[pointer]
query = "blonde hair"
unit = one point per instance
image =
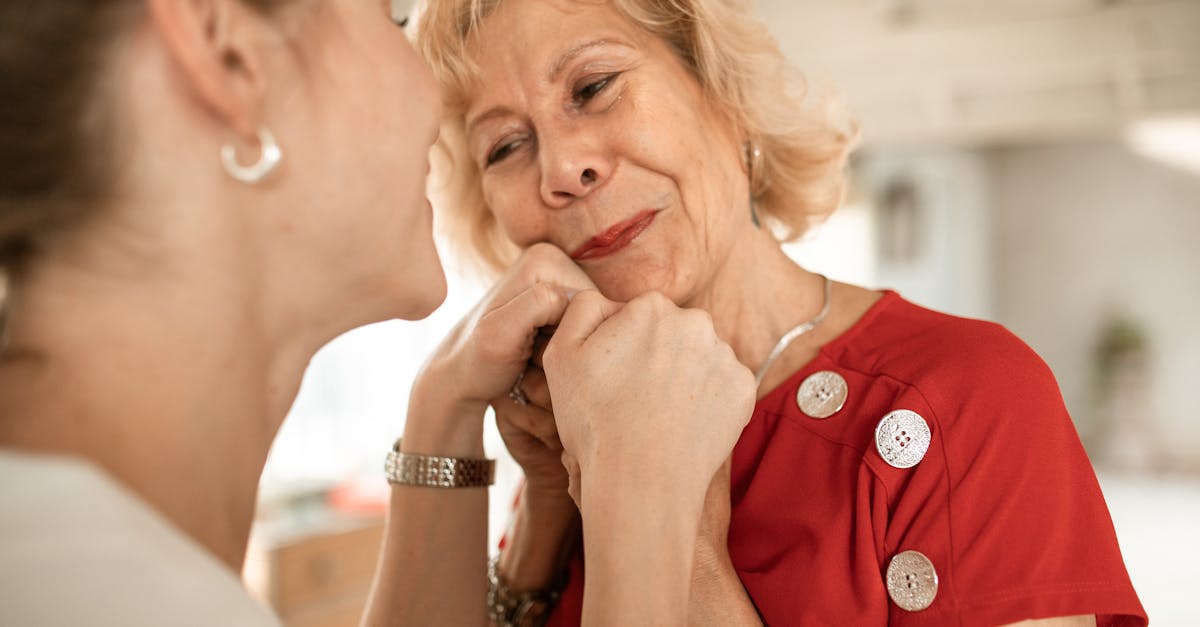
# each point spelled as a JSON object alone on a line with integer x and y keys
{"x": 803, "y": 138}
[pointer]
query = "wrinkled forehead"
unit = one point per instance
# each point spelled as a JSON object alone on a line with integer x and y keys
{"x": 528, "y": 43}
{"x": 521, "y": 25}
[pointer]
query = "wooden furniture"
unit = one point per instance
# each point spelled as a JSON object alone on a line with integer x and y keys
{"x": 315, "y": 573}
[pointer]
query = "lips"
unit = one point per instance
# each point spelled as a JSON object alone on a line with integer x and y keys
{"x": 615, "y": 237}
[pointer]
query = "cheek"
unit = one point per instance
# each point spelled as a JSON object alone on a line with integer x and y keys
{"x": 679, "y": 139}
{"x": 710, "y": 181}
{"x": 514, "y": 202}
{"x": 704, "y": 170}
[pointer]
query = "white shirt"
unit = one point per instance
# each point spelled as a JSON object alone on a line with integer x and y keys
{"x": 76, "y": 549}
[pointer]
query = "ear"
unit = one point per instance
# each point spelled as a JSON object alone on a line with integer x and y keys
{"x": 214, "y": 45}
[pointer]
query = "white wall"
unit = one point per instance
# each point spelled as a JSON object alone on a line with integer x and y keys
{"x": 950, "y": 270}
{"x": 1083, "y": 228}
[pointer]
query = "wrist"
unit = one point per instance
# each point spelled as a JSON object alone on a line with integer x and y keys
{"x": 640, "y": 548}
{"x": 717, "y": 596}
{"x": 641, "y": 505}
{"x": 624, "y": 483}
{"x": 441, "y": 424}
{"x": 508, "y": 607}
{"x": 540, "y": 542}
{"x": 711, "y": 563}
{"x": 537, "y": 498}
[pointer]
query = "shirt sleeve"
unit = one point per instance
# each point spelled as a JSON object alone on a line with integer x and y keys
{"x": 1004, "y": 504}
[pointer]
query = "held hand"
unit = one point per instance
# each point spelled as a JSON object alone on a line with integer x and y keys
{"x": 648, "y": 402}
{"x": 545, "y": 527}
{"x": 481, "y": 358}
{"x": 531, "y": 435}
{"x": 646, "y": 393}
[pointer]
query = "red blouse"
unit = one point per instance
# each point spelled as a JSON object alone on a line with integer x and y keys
{"x": 1003, "y": 505}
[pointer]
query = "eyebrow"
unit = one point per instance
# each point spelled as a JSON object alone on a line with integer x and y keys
{"x": 571, "y": 54}
{"x": 551, "y": 76}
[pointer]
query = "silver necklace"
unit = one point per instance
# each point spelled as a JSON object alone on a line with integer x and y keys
{"x": 796, "y": 332}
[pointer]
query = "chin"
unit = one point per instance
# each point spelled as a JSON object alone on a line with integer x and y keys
{"x": 627, "y": 284}
{"x": 652, "y": 266}
{"x": 422, "y": 298}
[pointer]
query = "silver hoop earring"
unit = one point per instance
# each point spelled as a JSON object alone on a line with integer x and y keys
{"x": 268, "y": 160}
{"x": 753, "y": 157}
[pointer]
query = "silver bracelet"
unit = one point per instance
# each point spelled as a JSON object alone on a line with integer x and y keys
{"x": 438, "y": 472}
{"x": 524, "y": 609}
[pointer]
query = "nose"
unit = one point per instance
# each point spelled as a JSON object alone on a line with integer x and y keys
{"x": 572, "y": 164}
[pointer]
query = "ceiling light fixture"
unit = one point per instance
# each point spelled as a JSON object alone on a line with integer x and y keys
{"x": 1174, "y": 140}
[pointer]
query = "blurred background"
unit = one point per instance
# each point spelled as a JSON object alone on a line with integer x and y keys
{"x": 1032, "y": 162}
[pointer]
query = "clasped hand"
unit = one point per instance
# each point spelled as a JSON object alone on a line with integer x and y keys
{"x": 646, "y": 396}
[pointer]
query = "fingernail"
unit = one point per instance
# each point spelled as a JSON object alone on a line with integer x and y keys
{"x": 571, "y": 294}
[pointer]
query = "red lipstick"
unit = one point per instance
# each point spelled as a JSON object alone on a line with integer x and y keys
{"x": 615, "y": 237}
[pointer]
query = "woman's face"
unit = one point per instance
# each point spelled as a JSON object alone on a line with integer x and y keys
{"x": 362, "y": 111}
{"x": 594, "y": 136}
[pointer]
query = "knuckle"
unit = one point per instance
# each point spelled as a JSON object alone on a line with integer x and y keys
{"x": 488, "y": 345}
{"x": 748, "y": 389}
{"x": 644, "y": 299}
{"x": 550, "y": 356}
{"x": 746, "y": 378}
{"x": 508, "y": 418}
{"x": 649, "y": 303}
{"x": 547, "y": 294}
{"x": 659, "y": 300}
{"x": 699, "y": 318}
{"x": 542, "y": 253}
{"x": 525, "y": 272}
{"x": 636, "y": 307}
{"x": 728, "y": 353}
{"x": 588, "y": 296}
{"x": 697, "y": 323}
{"x": 540, "y": 250}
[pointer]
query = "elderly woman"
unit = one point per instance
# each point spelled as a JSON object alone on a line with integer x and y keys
{"x": 162, "y": 306}
{"x": 901, "y": 466}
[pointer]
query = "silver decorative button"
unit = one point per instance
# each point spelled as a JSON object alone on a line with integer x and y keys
{"x": 902, "y": 438}
{"x": 822, "y": 394}
{"x": 912, "y": 582}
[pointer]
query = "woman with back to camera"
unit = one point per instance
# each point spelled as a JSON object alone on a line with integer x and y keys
{"x": 901, "y": 467}
{"x": 194, "y": 200}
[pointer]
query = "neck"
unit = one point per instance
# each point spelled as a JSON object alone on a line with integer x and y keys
{"x": 757, "y": 296}
{"x": 170, "y": 382}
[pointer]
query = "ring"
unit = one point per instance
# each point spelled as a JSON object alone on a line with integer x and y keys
{"x": 516, "y": 393}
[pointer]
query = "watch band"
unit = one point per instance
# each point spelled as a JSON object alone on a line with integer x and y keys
{"x": 438, "y": 472}
{"x": 519, "y": 609}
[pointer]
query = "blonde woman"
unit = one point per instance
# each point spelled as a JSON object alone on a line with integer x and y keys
{"x": 901, "y": 466}
{"x": 195, "y": 198}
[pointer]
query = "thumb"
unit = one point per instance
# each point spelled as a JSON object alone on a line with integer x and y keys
{"x": 587, "y": 311}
